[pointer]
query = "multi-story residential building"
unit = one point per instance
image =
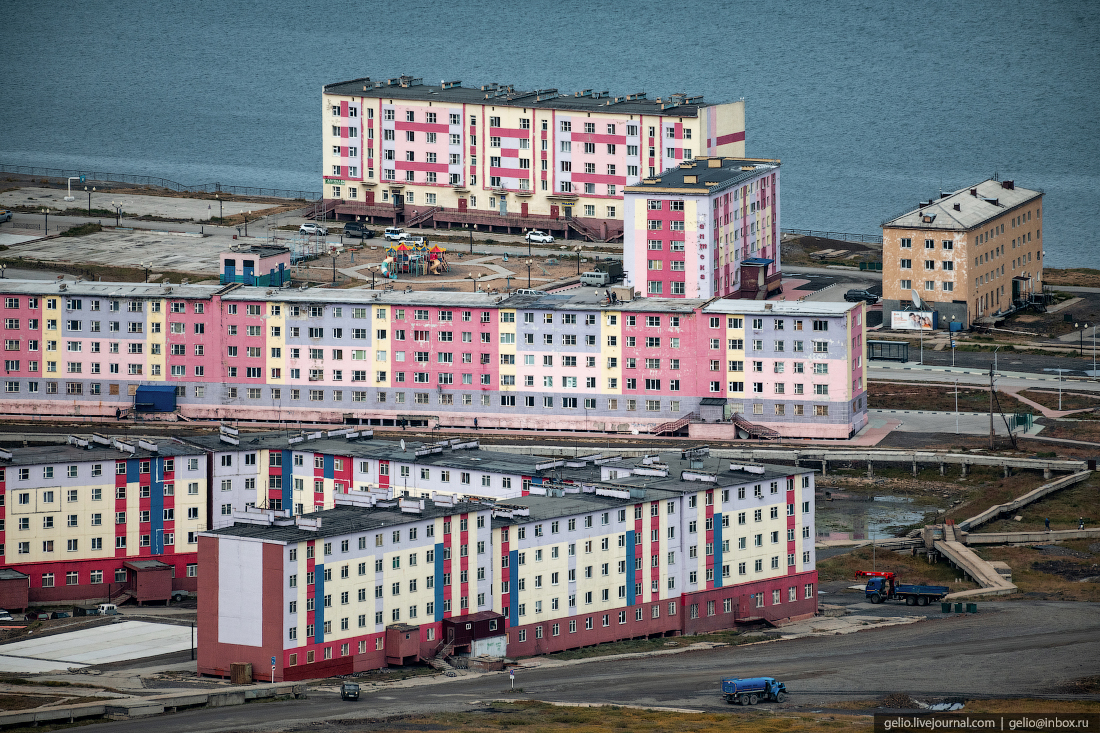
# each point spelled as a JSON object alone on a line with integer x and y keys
{"x": 97, "y": 516}
{"x": 708, "y": 227}
{"x": 972, "y": 254}
{"x": 681, "y": 546}
{"x": 496, "y": 158}
{"x": 570, "y": 361}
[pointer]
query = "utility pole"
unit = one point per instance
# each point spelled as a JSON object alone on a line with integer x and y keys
{"x": 990, "y": 407}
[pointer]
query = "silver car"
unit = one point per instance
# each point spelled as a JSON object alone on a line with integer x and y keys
{"x": 311, "y": 228}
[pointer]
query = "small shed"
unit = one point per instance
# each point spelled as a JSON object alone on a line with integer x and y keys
{"x": 464, "y": 631}
{"x": 15, "y": 588}
{"x": 712, "y": 409}
{"x": 149, "y": 580}
{"x": 258, "y": 265}
{"x": 402, "y": 644}
{"x": 155, "y": 398}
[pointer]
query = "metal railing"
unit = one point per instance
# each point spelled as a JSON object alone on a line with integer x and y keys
{"x": 101, "y": 177}
{"x": 839, "y": 236}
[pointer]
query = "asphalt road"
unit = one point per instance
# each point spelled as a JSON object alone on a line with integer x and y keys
{"x": 1013, "y": 649}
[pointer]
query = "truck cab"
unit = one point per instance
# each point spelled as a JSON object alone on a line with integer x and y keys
{"x": 879, "y": 589}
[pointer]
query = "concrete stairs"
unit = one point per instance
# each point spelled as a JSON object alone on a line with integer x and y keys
{"x": 991, "y": 581}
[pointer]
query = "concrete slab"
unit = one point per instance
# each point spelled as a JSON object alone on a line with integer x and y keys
{"x": 10, "y": 238}
{"x": 101, "y": 645}
{"x": 165, "y": 251}
{"x": 167, "y": 206}
{"x": 24, "y": 665}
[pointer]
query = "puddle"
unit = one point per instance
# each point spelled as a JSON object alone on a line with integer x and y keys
{"x": 852, "y": 517}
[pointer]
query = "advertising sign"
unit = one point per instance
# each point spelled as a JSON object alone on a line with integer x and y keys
{"x": 911, "y": 320}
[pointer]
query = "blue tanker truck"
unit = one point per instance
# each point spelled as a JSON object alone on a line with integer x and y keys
{"x": 751, "y": 690}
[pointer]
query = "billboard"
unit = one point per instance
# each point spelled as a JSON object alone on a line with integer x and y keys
{"x": 911, "y": 320}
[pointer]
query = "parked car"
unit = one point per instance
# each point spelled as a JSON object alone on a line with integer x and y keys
{"x": 59, "y": 614}
{"x": 5, "y": 216}
{"x": 349, "y": 691}
{"x": 179, "y": 595}
{"x": 538, "y": 236}
{"x": 37, "y": 617}
{"x": 854, "y": 296}
{"x": 5, "y": 616}
{"x": 595, "y": 278}
{"x": 358, "y": 229}
{"x": 106, "y": 609}
{"x": 310, "y": 228}
{"x": 395, "y": 234}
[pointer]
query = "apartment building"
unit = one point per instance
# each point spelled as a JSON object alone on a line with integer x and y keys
{"x": 568, "y": 361}
{"x": 100, "y": 516}
{"x": 708, "y": 227}
{"x": 495, "y": 158}
{"x": 682, "y": 546}
{"x": 971, "y": 255}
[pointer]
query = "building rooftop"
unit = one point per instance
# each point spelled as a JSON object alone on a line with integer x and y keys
{"x": 258, "y": 250}
{"x": 704, "y": 175}
{"x": 75, "y": 453}
{"x": 504, "y": 95}
{"x": 342, "y": 520}
{"x": 965, "y": 209}
{"x": 778, "y": 307}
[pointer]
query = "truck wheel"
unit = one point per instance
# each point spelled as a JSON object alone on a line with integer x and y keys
{"x": 910, "y": 601}
{"x": 738, "y": 700}
{"x": 922, "y": 601}
{"x": 729, "y": 699}
{"x": 876, "y": 598}
{"x": 780, "y": 696}
{"x": 752, "y": 699}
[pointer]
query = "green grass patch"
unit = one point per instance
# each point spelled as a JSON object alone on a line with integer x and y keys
{"x": 82, "y": 230}
{"x": 912, "y": 570}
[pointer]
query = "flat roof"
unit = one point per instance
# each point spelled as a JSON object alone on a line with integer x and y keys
{"x": 704, "y": 175}
{"x": 258, "y": 250}
{"x": 977, "y": 205}
{"x": 341, "y": 520}
{"x": 407, "y": 88}
{"x": 778, "y": 307}
{"x": 67, "y": 453}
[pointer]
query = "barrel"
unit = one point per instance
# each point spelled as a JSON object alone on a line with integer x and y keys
{"x": 971, "y": 607}
{"x": 945, "y": 607}
{"x": 958, "y": 608}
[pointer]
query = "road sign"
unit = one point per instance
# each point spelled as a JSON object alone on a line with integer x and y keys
{"x": 952, "y": 343}
{"x": 82, "y": 179}
{"x": 273, "y": 661}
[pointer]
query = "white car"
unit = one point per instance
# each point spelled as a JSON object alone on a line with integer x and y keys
{"x": 536, "y": 236}
{"x": 5, "y": 216}
{"x": 395, "y": 234}
{"x": 5, "y": 616}
{"x": 311, "y": 228}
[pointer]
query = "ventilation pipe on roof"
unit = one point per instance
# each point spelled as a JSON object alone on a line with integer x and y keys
{"x": 958, "y": 207}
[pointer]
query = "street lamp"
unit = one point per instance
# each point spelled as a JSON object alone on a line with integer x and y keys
{"x": 473, "y": 279}
{"x": 956, "y": 407}
{"x": 528, "y": 274}
{"x": 219, "y": 198}
{"x": 995, "y": 358}
{"x": 118, "y": 213}
{"x": 1060, "y": 387}
{"x": 577, "y": 249}
{"x": 246, "y": 223}
{"x": 46, "y": 213}
{"x": 146, "y": 266}
{"x": 89, "y": 199}
{"x": 333, "y": 265}
{"x": 1081, "y": 333}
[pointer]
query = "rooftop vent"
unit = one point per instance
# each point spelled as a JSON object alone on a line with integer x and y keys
{"x": 583, "y": 93}
{"x": 450, "y": 84}
{"x": 928, "y": 218}
{"x": 990, "y": 200}
{"x": 1009, "y": 185}
{"x": 714, "y": 163}
{"x": 973, "y": 192}
{"x": 691, "y": 179}
{"x": 958, "y": 207}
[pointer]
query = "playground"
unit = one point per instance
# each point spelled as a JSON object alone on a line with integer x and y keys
{"x": 432, "y": 266}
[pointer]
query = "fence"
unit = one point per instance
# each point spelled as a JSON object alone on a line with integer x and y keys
{"x": 839, "y": 236}
{"x": 101, "y": 177}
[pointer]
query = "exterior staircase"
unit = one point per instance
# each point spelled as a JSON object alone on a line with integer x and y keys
{"x": 590, "y": 233}
{"x": 673, "y": 425}
{"x": 754, "y": 430}
{"x": 321, "y": 207}
{"x": 422, "y": 216}
{"x": 439, "y": 660}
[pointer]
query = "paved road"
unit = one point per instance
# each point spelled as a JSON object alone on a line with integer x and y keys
{"x": 946, "y": 375}
{"x": 1010, "y": 648}
{"x": 1006, "y": 361}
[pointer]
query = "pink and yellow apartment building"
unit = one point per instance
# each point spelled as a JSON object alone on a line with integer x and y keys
{"x": 676, "y": 550}
{"x": 97, "y": 517}
{"x": 497, "y": 159}
{"x": 570, "y": 361}
{"x": 707, "y": 228}
{"x": 972, "y": 255}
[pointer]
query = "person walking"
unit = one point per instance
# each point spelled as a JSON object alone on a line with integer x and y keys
{"x": 1048, "y": 523}
{"x": 475, "y": 423}
{"x": 118, "y": 413}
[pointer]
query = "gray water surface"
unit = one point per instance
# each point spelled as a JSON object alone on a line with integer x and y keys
{"x": 871, "y": 106}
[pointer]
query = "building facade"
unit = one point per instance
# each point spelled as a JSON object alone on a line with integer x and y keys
{"x": 708, "y": 227}
{"x": 677, "y": 549}
{"x": 400, "y": 151}
{"x": 82, "y": 520}
{"x": 971, "y": 256}
{"x": 571, "y": 361}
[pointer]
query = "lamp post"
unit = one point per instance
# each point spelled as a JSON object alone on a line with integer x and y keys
{"x": 146, "y": 266}
{"x": 118, "y": 213}
{"x": 46, "y": 213}
{"x": 1081, "y": 333}
{"x": 1059, "y": 388}
{"x": 473, "y": 279}
{"x": 334, "y": 267}
{"x": 89, "y": 199}
{"x": 995, "y": 358}
{"x": 528, "y": 274}
{"x": 525, "y": 232}
{"x": 246, "y": 223}
{"x": 577, "y": 249}
{"x": 956, "y": 407}
{"x": 218, "y": 196}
